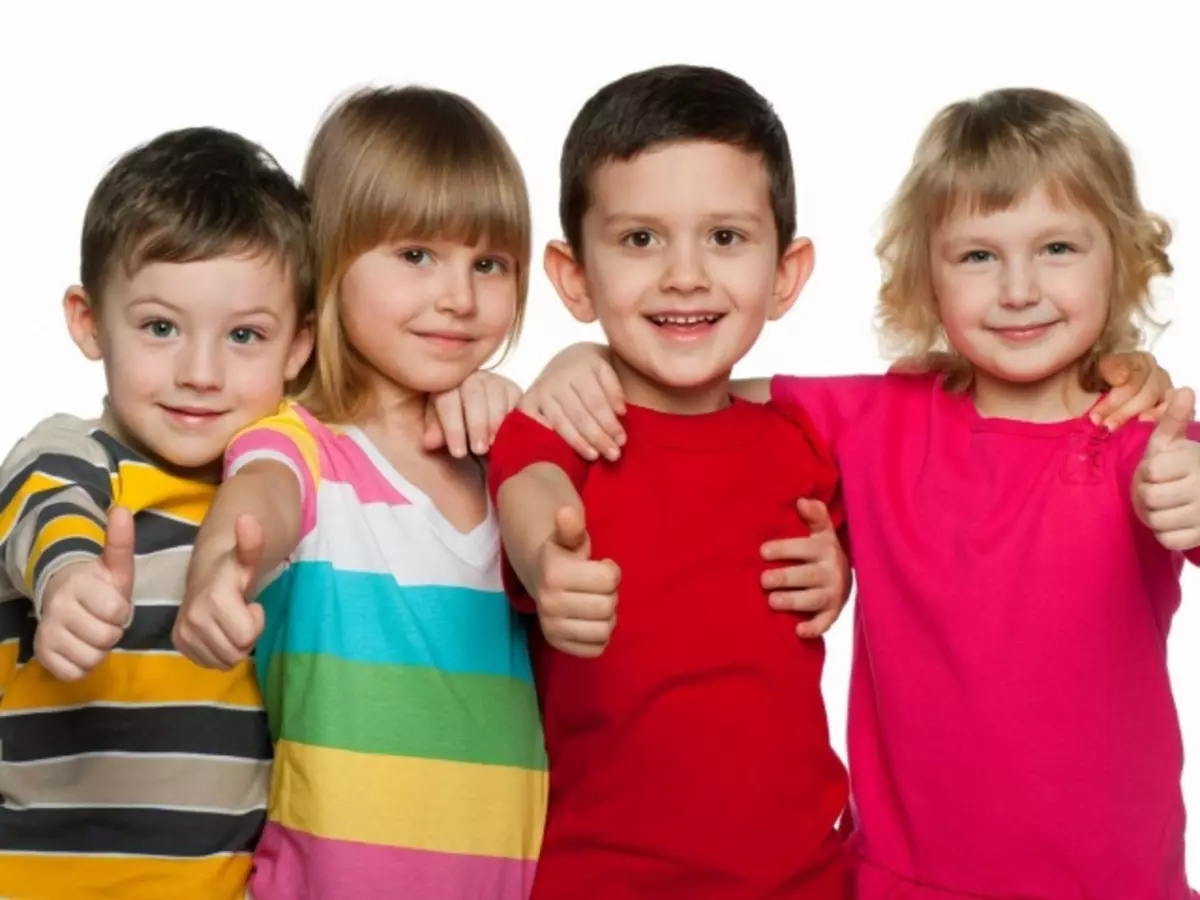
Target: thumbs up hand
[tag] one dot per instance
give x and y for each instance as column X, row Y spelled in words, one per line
column 576, row 596
column 1166, row 486
column 820, row 584
column 217, row 626
column 86, row 606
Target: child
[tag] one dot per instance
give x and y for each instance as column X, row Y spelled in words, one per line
column 128, row 772
column 686, row 734
column 408, row 752
column 1012, row 729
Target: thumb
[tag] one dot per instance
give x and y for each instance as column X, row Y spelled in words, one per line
column 249, row 547
column 117, row 557
column 1180, row 411
column 570, row 533
column 815, row 514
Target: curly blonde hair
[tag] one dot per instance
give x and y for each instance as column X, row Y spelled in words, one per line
column 986, row 154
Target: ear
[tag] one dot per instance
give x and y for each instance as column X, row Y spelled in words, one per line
column 301, row 349
column 82, row 322
column 566, row 274
column 795, row 267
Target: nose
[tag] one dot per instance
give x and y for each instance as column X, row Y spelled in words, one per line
column 198, row 366
column 1021, row 286
column 685, row 271
column 457, row 297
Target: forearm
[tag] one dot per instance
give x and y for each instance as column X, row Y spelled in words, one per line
column 269, row 493
column 526, row 505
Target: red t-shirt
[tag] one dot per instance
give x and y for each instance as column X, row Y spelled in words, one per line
column 691, row 760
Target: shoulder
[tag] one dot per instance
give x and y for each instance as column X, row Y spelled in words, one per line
column 62, row 435
column 523, row 441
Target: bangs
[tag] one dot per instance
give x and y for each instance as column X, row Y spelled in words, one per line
column 466, row 191
column 993, row 173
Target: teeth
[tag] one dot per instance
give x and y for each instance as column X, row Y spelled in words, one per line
column 685, row 320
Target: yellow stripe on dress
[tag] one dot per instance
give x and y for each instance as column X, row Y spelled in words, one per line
column 421, row 804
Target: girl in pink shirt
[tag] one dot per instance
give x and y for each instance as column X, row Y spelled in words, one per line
column 1012, row 732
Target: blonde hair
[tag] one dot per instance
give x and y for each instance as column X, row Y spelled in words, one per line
column 985, row 155
column 389, row 164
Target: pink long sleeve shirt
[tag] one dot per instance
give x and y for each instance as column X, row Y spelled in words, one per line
column 1012, row 731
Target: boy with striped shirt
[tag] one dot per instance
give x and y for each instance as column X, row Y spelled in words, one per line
column 126, row 770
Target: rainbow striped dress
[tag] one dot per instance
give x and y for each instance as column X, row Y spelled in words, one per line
column 409, row 759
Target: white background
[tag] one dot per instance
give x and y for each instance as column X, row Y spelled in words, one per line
column 854, row 82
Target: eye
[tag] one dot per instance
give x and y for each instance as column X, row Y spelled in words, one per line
column 490, row 266
column 640, row 239
column 727, row 237
column 416, row 256
column 1059, row 248
column 976, row 256
column 245, row 336
column 160, row 328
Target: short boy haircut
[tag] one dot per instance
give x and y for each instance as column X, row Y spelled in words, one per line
column 190, row 195
column 667, row 104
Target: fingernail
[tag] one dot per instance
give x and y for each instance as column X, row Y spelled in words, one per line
column 590, row 454
column 480, row 448
column 613, row 455
column 621, row 439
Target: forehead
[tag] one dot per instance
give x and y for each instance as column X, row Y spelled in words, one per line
column 689, row 177
column 218, row 286
column 1044, row 208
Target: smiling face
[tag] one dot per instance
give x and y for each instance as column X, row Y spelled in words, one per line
column 1023, row 293
column 193, row 352
column 425, row 315
column 681, row 268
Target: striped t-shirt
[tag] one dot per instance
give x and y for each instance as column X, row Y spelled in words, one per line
column 409, row 758
column 147, row 778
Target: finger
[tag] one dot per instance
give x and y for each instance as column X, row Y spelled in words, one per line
column 1181, row 410
column 1155, row 414
column 574, row 648
column 118, row 555
column 800, row 601
column 433, row 437
column 596, row 401
column 585, row 576
column 796, row 577
column 1181, row 540
column 570, row 531
column 249, row 550
column 476, row 413
column 578, row 606
column 816, row 515
column 189, row 640
column 581, row 631
column 557, row 419
column 818, row 624
column 577, row 413
column 611, row 385
column 1174, row 464
column 449, row 410
column 78, row 656
column 1181, row 518
column 236, row 624
column 798, row 549
column 103, row 602
column 1168, row 494
column 501, row 398
column 94, row 631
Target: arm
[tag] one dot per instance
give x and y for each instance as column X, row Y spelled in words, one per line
column 1163, row 471
column 528, row 505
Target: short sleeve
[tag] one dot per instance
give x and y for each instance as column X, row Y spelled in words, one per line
column 286, row 438
column 55, row 492
column 523, row 442
column 831, row 404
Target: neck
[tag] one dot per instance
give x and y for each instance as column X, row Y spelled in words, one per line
column 692, row 400
column 394, row 415
column 1052, row 399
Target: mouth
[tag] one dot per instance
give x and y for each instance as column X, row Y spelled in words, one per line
column 1023, row 334
column 192, row 415
column 447, row 339
column 685, row 325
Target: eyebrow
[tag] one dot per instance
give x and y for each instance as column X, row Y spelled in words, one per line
column 744, row 217
column 154, row 300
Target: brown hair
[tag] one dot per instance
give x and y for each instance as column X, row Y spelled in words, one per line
column 388, row 164
column 195, row 194
column 669, row 104
column 985, row 155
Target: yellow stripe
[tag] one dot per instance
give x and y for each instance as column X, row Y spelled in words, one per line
column 57, row 529
column 135, row 678
column 8, row 662
column 423, row 804
column 143, row 487
column 34, row 484
column 55, row 877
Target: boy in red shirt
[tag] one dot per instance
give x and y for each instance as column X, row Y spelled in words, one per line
column 688, row 744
